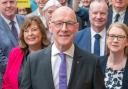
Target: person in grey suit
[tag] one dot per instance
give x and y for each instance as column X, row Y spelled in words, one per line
column 85, row 38
column 44, row 68
column 7, row 39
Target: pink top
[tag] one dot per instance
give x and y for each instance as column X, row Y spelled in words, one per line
column 10, row 78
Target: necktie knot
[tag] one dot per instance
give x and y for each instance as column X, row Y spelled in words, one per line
column 97, row 36
column 12, row 22
column 62, row 56
column 117, row 17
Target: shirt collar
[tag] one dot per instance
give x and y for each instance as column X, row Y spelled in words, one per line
column 121, row 12
column 7, row 20
column 102, row 33
column 69, row 52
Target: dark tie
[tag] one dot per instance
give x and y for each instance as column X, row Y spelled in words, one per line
column 117, row 17
column 13, row 29
column 63, row 72
column 97, row 45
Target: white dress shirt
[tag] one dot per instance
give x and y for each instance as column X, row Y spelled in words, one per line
column 56, row 60
column 102, row 41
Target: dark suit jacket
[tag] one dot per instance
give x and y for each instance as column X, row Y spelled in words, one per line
column 85, row 72
column 103, row 62
column 7, row 42
column 110, row 15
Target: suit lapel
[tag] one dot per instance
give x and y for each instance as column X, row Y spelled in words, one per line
column 126, row 17
column 88, row 40
column 76, row 65
column 49, row 67
column 7, row 31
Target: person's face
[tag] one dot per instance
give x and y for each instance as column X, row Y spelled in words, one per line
column 62, row 1
column 117, row 40
column 8, row 8
column 98, row 15
column 64, row 27
column 49, row 11
column 22, row 11
column 41, row 3
column 120, row 4
column 86, row 3
column 32, row 35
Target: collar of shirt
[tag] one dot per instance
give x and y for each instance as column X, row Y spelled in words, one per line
column 102, row 33
column 7, row 20
column 69, row 52
column 122, row 13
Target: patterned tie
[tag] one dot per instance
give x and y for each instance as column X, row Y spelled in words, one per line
column 63, row 72
column 117, row 17
column 97, row 45
column 13, row 29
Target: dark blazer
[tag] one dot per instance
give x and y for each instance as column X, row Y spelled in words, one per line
column 103, row 62
column 110, row 15
column 7, row 41
column 83, row 39
column 85, row 72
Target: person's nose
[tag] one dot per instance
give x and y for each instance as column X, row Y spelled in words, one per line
column 98, row 15
column 115, row 39
column 64, row 27
column 8, row 4
column 30, row 32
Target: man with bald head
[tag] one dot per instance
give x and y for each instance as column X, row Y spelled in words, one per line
column 62, row 65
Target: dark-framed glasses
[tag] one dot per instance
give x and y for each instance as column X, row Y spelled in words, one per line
column 60, row 24
column 118, row 37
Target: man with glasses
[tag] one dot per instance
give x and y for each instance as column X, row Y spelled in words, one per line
column 62, row 65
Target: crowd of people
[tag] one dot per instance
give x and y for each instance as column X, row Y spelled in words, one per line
column 64, row 44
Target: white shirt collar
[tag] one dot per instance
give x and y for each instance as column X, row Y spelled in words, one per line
column 121, row 13
column 102, row 33
column 69, row 52
column 7, row 20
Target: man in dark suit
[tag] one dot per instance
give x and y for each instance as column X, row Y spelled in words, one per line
column 86, row 38
column 7, row 39
column 118, row 12
column 46, row 69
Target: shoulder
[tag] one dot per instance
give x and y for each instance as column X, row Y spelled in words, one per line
column 33, row 13
column 40, row 54
column 20, row 16
column 84, row 32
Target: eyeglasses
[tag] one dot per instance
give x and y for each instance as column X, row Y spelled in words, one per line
column 118, row 37
column 68, row 24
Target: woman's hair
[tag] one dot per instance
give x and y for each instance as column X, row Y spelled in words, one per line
column 28, row 21
column 124, row 27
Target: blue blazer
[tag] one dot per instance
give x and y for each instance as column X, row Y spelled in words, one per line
column 103, row 62
column 83, row 39
column 110, row 14
column 7, row 41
